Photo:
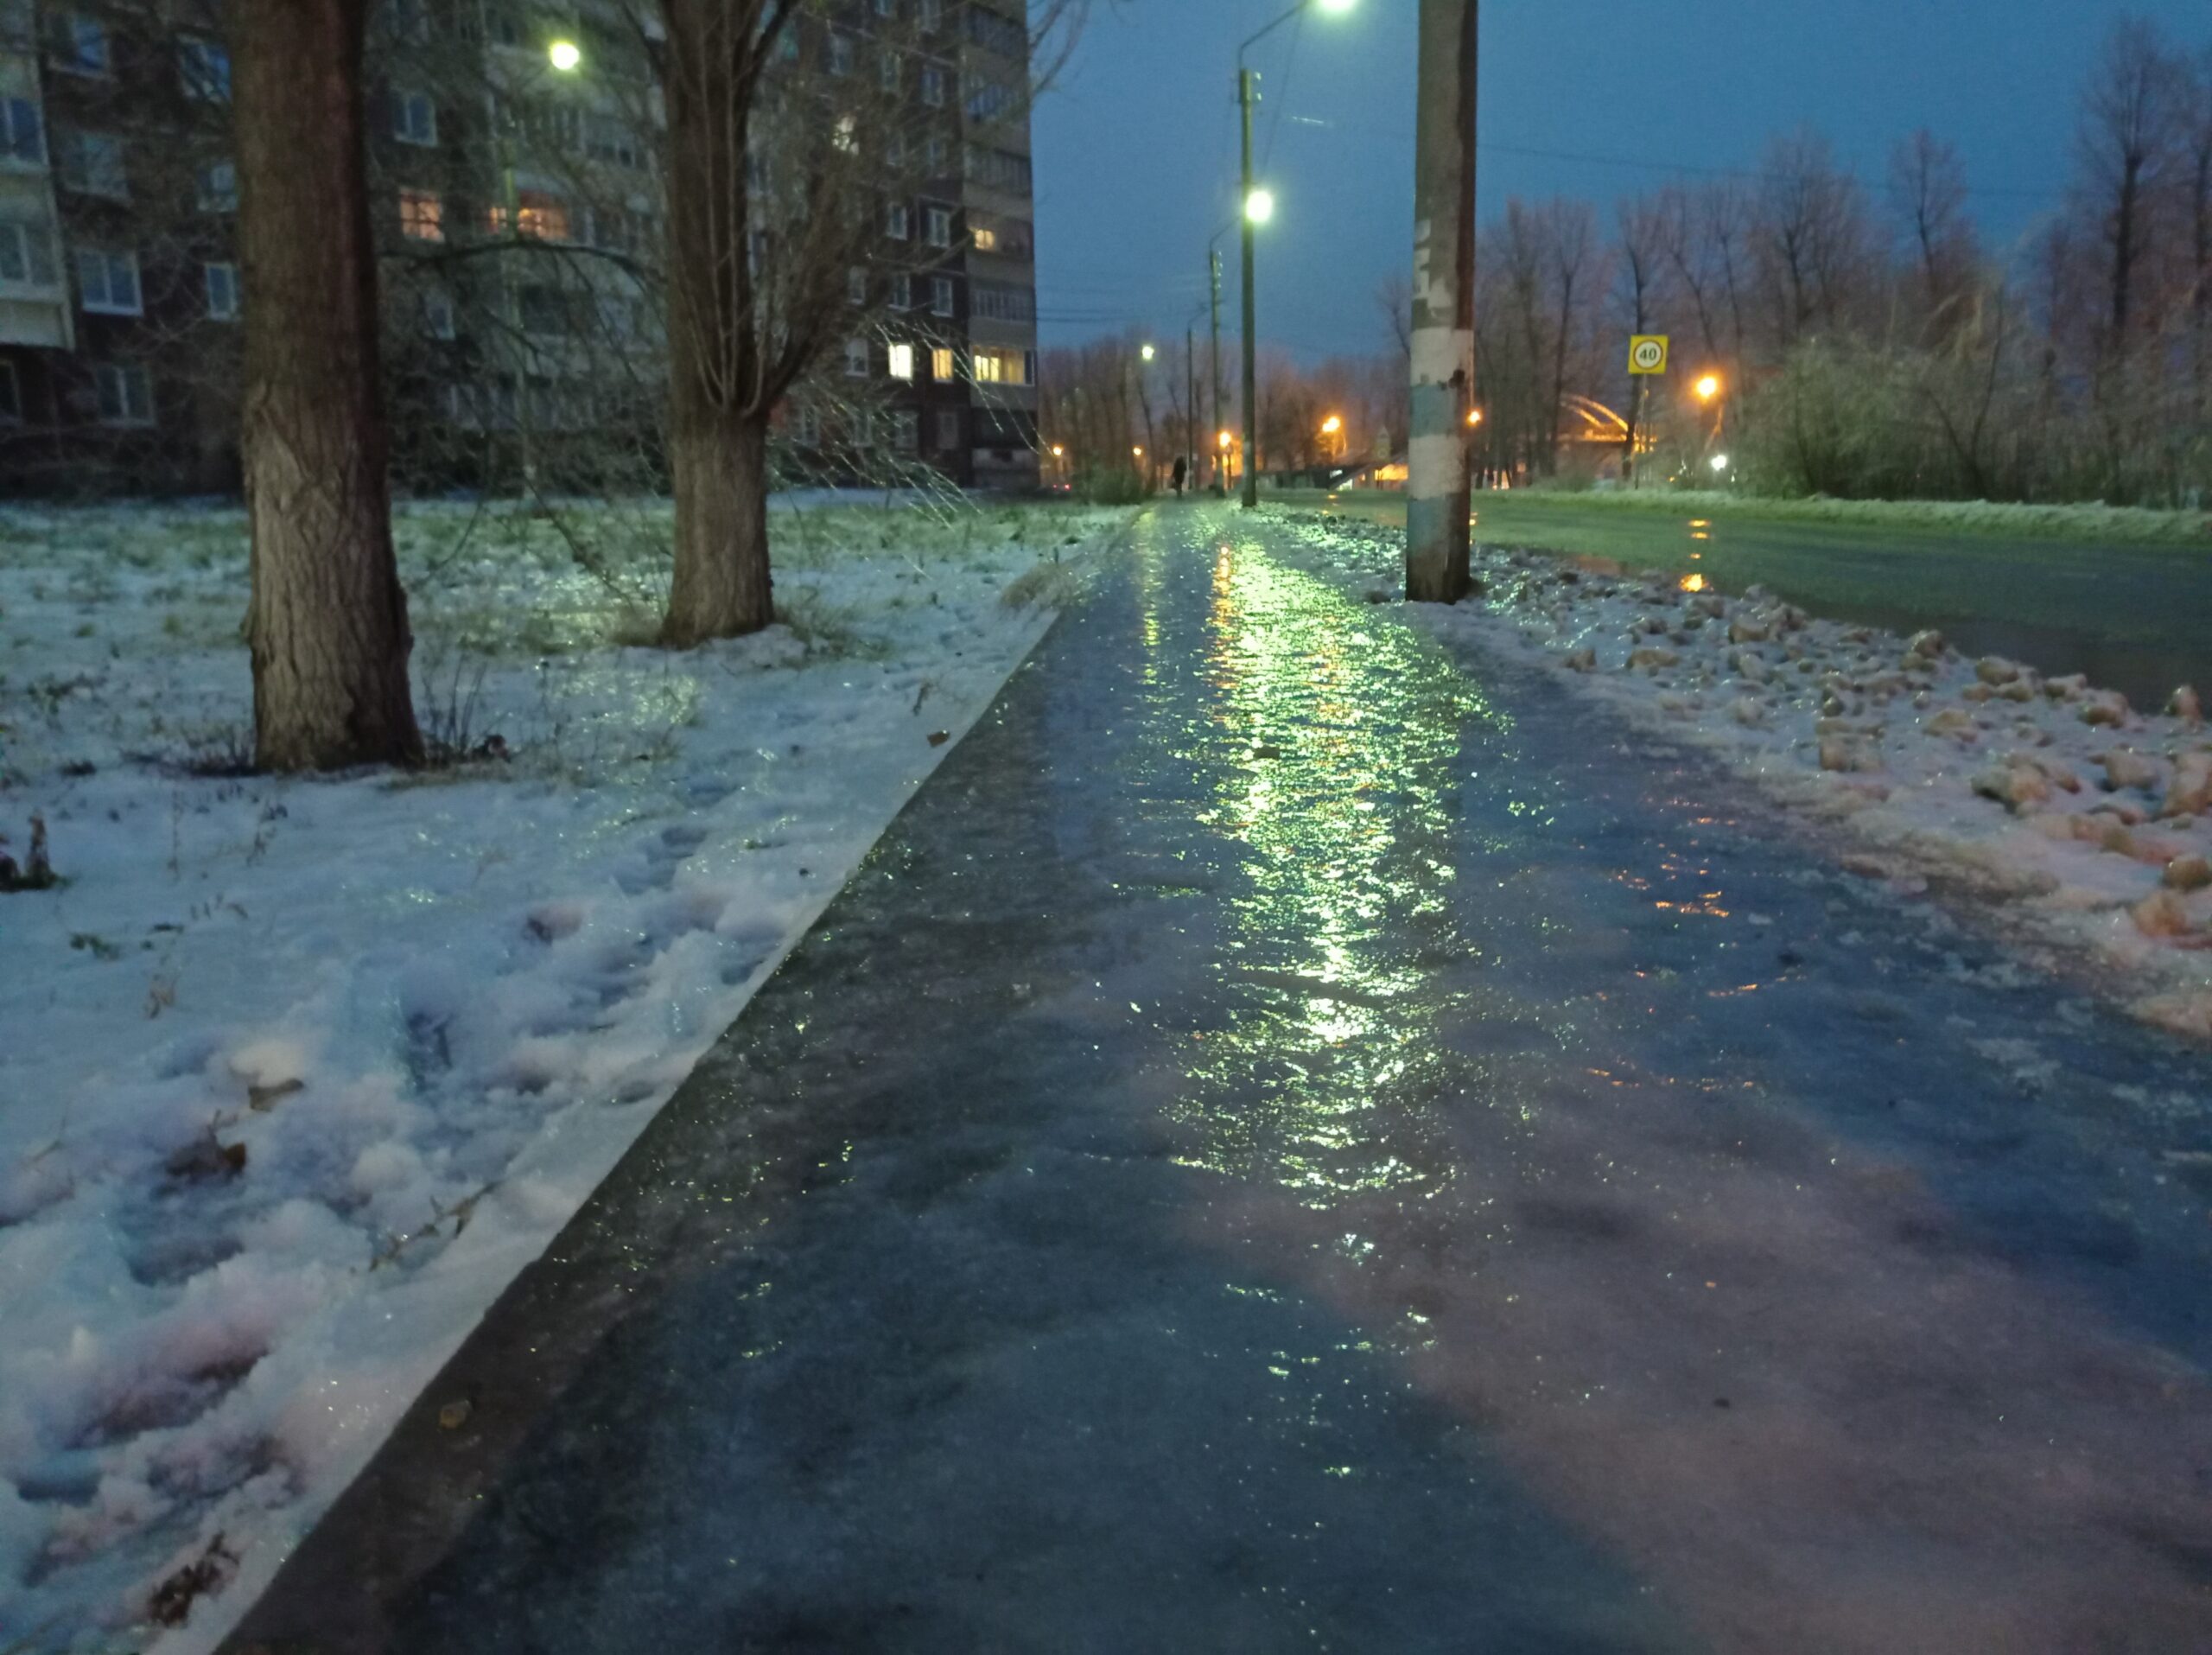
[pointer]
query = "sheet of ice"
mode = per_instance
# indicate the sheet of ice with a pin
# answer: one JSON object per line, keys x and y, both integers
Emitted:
{"x": 295, "y": 1075}
{"x": 2074, "y": 824}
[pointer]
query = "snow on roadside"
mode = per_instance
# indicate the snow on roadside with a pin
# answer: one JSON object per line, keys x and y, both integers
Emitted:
{"x": 2080, "y": 825}
{"x": 295, "y": 1076}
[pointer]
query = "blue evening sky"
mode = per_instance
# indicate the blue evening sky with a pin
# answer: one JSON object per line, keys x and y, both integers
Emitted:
{"x": 1136, "y": 153}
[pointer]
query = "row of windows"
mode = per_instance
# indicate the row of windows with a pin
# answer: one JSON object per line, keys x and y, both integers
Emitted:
{"x": 122, "y": 393}
{"x": 538, "y": 214}
{"x": 985, "y": 367}
{"x": 78, "y": 43}
{"x": 107, "y": 283}
{"x": 858, "y": 431}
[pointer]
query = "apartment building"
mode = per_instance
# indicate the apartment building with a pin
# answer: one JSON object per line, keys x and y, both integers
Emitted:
{"x": 514, "y": 168}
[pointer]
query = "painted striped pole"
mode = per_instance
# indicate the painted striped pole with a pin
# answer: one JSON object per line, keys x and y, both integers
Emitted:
{"x": 1438, "y": 508}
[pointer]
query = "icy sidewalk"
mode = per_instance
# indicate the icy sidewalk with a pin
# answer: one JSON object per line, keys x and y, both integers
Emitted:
{"x": 2080, "y": 826}
{"x": 294, "y": 1077}
{"x": 1292, "y": 1142}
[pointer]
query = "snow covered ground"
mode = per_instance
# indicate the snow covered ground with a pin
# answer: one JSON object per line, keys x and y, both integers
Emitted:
{"x": 2080, "y": 826}
{"x": 295, "y": 1076}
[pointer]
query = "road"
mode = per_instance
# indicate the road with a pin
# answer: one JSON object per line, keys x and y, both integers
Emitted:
{"x": 2133, "y": 617}
{"x": 1298, "y": 1142}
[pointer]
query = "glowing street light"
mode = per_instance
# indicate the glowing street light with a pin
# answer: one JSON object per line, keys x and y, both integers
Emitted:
{"x": 1259, "y": 206}
{"x": 1331, "y": 425}
{"x": 1057, "y": 450}
{"x": 1226, "y": 439}
{"x": 565, "y": 55}
{"x": 1719, "y": 463}
{"x": 1474, "y": 416}
{"x": 1147, "y": 352}
{"x": 1138, "y": 452}
{"x": 1708, "y": 387}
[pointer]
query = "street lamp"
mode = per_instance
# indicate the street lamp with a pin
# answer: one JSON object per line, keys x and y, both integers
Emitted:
{"x": 1257, "y": 206}
{"x": 1708, "y": 387}
{"x": 1147, "y": 352}
{"x": 565, "y": 55}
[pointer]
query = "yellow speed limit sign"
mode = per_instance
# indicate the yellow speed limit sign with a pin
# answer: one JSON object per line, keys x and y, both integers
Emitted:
{"x": 1647, "y": 354}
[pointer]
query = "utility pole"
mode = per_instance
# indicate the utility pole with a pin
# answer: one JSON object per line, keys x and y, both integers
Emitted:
{"x": 1251, "y": 493}
{"x": 1190, "y": 404}
{"x": 1439, "y": 514}
{"x": 1213, "y": 269}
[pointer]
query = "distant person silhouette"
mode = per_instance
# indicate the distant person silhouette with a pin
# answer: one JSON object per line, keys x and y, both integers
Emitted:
{"x": 1182, "y": 470}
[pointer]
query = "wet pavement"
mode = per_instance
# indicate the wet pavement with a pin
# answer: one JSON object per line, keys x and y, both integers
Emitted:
{"x": 1295, "y": 1142}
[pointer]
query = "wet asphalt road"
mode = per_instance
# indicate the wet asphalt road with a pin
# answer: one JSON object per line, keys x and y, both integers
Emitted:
{"x": 1295, "y": 1142}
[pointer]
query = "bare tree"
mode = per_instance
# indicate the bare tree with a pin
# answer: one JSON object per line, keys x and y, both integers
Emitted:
{"x": 1393, "y": 297}
{"x": 1928, "y": 200}
{"x": 2127, "y": 126}
{"x": 1643, "y": 243}
{"x": 1812, "y": 240}
{"x": 1570, "y": 252}
{"x": 327, "y": 620}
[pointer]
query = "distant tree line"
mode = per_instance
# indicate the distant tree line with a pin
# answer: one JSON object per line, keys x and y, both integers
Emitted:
{"x": 1864, "y": 340}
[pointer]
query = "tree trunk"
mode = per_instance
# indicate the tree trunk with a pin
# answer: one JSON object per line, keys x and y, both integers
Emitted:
{"x": 722, "y": 587}
{"x": 327, "y": 620}
{"x": 718, "y": 402}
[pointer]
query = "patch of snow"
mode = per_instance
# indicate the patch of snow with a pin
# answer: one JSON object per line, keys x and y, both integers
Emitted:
{"x": 295, "y": 1075}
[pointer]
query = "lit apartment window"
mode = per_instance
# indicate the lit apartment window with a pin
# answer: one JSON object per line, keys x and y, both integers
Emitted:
{"x": 537, "y": 215}
{"x": 940, "y": 296}
{"x": 902, "y": 361}
{"x": 20, "y": 136}
{"x": 204, "y": 66}
{"x": 107, "y": 283}
{"x": 942, "y": 366}
{"x": 1005, "y": 368}
{"x": 76, "y": 43}
{"x": 219, "y": 187}
{"x": 126, "y": 394}
{"x": 413, "y": 118}
{"x": 897, "y": 223}
{"x": 422, "y": 215}
{"x": 26, "y": 256}
{"x": 940, "y": 227}
{"x": 856, "y": 358}
{"x": 985, "y": 238}
{"x": 91, "y": 164}
{"x": 11, "y": 395}
{"x": 222, "y": 284}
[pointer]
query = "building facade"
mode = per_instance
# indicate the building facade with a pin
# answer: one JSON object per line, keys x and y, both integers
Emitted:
{"x": 515, "y": 167}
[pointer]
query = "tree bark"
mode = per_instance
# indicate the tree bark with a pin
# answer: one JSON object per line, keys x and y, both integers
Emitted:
{"x": 722, "y": 587}
{"x": 719, "y": 396}
{"x": 327, "y": 620}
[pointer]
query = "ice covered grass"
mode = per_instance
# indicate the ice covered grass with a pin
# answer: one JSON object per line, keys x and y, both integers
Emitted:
{"x": 295, "y": 1075}
{"x": 2088, "y": 520}
{"x": 2080, "y": 827}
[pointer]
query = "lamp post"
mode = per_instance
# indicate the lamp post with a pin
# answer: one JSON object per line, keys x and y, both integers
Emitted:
{"x": 1254, "y": 207}
{"x": 564, "y": 57}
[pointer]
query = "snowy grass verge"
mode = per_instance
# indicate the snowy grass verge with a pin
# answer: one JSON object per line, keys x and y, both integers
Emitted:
{"x": 2077, "y": 825}
{"x": 2088, "y": 521}
{"x": 295, "y": 1076}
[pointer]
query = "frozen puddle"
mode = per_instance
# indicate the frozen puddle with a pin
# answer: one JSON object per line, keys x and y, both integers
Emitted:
{"x": 1292, "y": 1142}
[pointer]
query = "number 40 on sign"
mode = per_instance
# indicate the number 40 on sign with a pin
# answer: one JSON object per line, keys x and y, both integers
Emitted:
{"x": 1647, "y": 354}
